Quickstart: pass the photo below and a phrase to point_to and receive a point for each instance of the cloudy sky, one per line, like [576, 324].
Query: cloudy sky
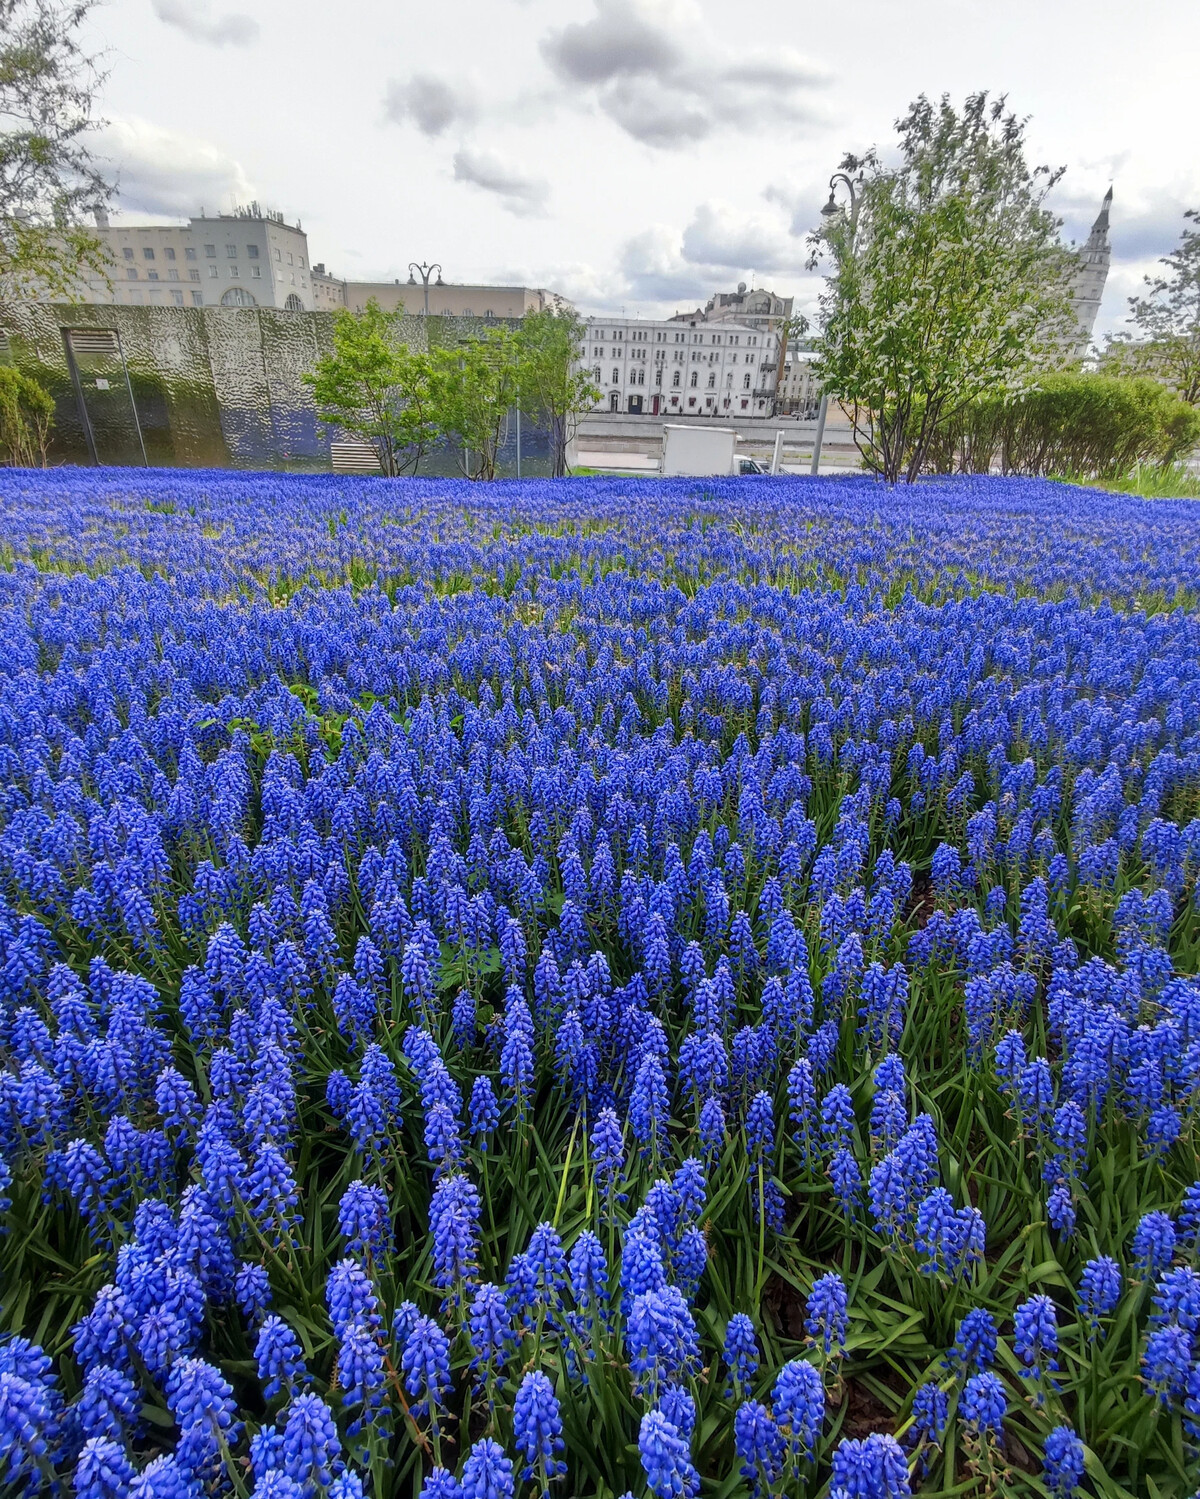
[634, 154]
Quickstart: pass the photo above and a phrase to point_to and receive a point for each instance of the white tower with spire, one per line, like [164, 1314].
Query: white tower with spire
[1087, 286]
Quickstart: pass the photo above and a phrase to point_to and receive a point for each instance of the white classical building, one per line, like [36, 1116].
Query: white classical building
[672, 368]
[248, 258]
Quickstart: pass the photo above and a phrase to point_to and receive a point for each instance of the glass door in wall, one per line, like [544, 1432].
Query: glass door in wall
[104, 396]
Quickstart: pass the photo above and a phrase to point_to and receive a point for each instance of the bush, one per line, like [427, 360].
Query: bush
[1089, 425]
[26, 412]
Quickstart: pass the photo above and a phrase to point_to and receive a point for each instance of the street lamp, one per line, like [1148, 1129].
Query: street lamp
[424, 270]
[831, 210]
[833, 207]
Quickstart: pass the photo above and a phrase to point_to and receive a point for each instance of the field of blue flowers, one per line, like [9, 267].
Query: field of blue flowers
[597, 988]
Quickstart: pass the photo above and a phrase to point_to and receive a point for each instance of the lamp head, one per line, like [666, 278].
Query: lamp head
[831, 207]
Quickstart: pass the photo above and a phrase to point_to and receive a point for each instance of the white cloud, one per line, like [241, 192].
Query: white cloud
[163, 173]
[517, 191]
[233, 30]
[432, 104]
[652, 69]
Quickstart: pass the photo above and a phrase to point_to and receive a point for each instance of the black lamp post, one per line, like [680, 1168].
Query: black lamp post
[424, 270]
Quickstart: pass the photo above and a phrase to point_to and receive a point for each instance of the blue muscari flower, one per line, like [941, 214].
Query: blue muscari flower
[975, 1345]
[363, 1218]
[280, 1358]
[826, 1319]
[537, 1430]
[930, 1407]
[484, 1112]
[649, 1104]
[1062, 1462]
[454, 1230]
[711, 1128]
[1153, 1244]
[1099, 1292]
[271, 1194]
[760, 1126]
[163, 1478]
[1166, 1361]
[1177, 1299]
[847, 1183]
[798, 1404]
[759, 1446]
[837, 1119]
[873, 1468]
[1035, 1341]
[109, 1404]
[203, 1406]
[440, 1484]
[311, 1446]
[176, 1101]
[102, 1470]
[492, 1339]
[666, 1459]
[487, 1473]
[349, 1294]
[1060, 1209]
[425, 1362]
[741, 1355]
[252, 1292]
[608, 1156]
[982, 1406]
[588, 1271]
[361, 1374]
[661, 1338]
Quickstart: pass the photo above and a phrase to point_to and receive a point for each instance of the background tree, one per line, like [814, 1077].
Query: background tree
[476, 384]
[553, 385]
[948, 282]
[26, 413]
[1166, 344]
[48, 177]
[373, 386]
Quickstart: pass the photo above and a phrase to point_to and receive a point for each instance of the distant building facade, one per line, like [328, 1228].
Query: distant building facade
[799, 390]
[757, 308]
[671, 368]
[446, 298]
[1087, 286]
[248, 258]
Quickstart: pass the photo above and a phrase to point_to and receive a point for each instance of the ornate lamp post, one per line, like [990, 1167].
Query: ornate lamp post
[424, 270]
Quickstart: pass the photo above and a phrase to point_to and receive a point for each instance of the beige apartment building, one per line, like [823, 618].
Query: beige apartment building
[446, 298]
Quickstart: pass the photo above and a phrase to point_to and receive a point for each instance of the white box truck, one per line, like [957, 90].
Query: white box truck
[697, 451]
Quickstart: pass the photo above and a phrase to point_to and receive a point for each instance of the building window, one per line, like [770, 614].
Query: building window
[278, 256]
[197, 299]
[213, 272]
[691, 400]
[190, 253]
[210, 251]
[675, 378]
[293, 303]
[256, 272]
[712, 380]
[131, 273]
[616, 378]
[169, 253]
[172, 275]
[745, 404]
[147, 253]
[233, 271]
[177, 297]
[300, 259]
[745, 382]
[238, 296]
[695, 379]
[290, 260]
[193, 275]
[128, 252]
[252, 251]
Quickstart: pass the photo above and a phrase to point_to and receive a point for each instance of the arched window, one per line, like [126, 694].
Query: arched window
[238, 296]
[745, 382]
[616, 379]
[675, 379]
[293, 303]
[695, 378]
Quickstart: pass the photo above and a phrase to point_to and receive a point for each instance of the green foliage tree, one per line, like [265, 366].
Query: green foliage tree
[948, 280]
[48, 176]
[1073, 422]
[553, 385]
[26, 414]
[374, 387]
[1165, 343]
[476, 384]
